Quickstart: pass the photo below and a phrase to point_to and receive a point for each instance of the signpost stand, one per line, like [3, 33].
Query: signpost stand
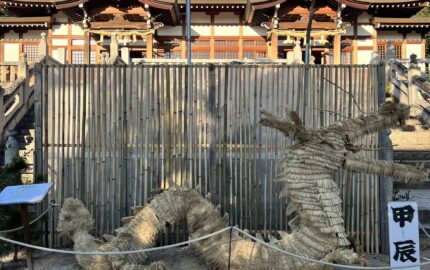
[25, 195]
[27, 234]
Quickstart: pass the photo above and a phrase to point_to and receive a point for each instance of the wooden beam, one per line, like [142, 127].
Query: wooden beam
[303, 25]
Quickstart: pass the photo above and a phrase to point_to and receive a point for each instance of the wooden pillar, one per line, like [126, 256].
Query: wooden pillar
[69, 43]
[149, 46]
[274, 46]
[354, 52]
[375, 40]
[354, 44]
[184, 42]
[241, 37]
[336, 49]
[423, 47]
[212, 40]
[404, 45]
[87, 47]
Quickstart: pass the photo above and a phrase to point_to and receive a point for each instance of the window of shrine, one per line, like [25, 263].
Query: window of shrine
[200, 55]
[226, 55]
[382, 49]
[398, 51]
[78, 57]
[32, 51]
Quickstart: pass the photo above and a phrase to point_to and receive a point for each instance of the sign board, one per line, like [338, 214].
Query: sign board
[24, 194]
[404, 234]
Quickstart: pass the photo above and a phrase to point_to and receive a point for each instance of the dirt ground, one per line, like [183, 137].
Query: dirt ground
[177, 259]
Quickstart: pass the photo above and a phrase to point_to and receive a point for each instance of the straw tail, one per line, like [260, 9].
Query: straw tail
[400, 172]
[388, 115]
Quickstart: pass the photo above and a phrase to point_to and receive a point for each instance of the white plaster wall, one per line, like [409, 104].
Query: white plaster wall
[59, 42]
[33, 34]
[364, 57]
[77, 30]
[60, 55]
[413, 48]
[200, 18]
[254, 31]
[227, 30]
[365, 30]
[364, 42]
[59, 29]
[200, 30]
[227, 17]
[11, 35]
[170, 31]
[11, 52]
[389, 35]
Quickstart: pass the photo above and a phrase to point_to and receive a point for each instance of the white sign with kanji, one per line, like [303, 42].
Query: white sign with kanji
[404, 234]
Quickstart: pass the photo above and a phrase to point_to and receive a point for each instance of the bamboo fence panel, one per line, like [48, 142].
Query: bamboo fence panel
[113, 135]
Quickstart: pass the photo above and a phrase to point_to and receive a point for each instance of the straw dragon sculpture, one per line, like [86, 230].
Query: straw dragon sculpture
[307, 170]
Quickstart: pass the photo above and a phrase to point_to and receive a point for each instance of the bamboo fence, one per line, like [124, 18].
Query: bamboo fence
[113, 135]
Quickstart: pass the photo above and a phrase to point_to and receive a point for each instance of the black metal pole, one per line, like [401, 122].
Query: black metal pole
[307, 57]
[308, 32]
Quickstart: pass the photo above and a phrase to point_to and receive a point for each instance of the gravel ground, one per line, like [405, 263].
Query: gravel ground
[178, 259]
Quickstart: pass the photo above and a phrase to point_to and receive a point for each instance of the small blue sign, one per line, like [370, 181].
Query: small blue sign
[24, 194]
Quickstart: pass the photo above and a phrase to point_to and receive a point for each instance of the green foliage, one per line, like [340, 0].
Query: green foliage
[11, 215]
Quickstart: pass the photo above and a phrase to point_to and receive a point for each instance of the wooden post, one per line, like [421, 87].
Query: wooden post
[27, 235]
[38, 165]
[385, 183]
[274, 46]
[2, 112]
[375, 40]
[149, 46]
[241, 37]
[43, 46]
[87, 47]
[354, 44]
[404, 44]
[336, 49]
[212, 40]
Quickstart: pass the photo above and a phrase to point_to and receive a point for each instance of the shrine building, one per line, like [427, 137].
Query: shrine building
[80, 31]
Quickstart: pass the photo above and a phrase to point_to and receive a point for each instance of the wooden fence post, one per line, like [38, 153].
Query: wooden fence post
[38, 167]
[212, 130]
[385, 183]
[2, 112]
